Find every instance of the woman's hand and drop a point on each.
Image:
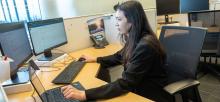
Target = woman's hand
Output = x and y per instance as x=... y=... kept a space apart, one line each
x=70 y=92
x=88 y=58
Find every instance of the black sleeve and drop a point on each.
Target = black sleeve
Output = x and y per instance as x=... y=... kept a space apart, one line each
x=138 y=66
x=110 y=60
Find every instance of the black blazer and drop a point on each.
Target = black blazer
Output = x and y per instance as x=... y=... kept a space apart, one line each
x=144 y=75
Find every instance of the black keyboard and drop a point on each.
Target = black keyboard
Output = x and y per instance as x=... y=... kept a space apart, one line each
x=69 y=73
x=55 y=95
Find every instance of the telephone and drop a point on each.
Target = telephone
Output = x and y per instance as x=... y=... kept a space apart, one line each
x=99 y=41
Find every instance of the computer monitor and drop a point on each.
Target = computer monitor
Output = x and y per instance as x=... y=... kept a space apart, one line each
x=193 y=5
x=46 y=35
x=15 y=44
x=167 y=7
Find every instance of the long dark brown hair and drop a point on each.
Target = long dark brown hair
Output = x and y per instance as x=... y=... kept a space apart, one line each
x=140 y=28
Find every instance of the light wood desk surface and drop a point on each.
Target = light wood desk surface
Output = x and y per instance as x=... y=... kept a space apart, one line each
x=87 y=77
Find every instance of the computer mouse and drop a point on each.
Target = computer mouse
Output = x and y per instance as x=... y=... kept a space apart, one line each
x=81 y=59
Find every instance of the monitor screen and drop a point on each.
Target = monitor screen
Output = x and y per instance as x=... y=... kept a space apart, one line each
x=193 y=5
x=15 y=44
x=166 y=7
x=47 y=34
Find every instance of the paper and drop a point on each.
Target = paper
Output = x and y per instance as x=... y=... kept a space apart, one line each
x=4 y=69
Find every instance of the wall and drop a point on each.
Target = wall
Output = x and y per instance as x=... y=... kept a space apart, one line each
x=214 y=4
x=76 y=8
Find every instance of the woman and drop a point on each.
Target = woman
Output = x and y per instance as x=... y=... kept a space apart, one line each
x=142 y=57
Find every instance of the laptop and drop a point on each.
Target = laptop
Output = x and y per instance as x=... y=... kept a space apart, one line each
x=52 y=95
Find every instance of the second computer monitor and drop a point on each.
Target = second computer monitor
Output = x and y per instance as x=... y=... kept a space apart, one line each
x=46 y=35
x=14 y=43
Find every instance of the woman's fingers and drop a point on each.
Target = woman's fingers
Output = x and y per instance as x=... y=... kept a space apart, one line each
x=68 y=92
x=66 y=89
x=70 y=96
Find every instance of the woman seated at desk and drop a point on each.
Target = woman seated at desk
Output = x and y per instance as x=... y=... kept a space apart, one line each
x=142 y=56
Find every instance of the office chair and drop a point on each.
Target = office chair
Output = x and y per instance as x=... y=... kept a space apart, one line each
x=211 y=50
x=183 y=46
x=211 y=46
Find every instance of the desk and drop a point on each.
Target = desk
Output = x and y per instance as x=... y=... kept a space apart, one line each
x=87 y=77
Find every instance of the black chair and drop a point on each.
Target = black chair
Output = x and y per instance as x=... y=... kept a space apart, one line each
x=211 y=48
x=183 y=46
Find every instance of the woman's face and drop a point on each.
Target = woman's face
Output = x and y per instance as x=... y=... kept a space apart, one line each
x=122 y=24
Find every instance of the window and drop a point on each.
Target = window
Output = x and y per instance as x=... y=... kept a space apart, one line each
x=19 y=10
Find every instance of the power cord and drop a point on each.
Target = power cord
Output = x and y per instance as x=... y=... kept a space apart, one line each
x=63 y=62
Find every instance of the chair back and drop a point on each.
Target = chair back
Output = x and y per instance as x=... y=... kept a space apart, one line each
x=183 y=46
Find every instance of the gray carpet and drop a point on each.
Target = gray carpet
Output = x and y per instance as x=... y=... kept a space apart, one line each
x=209 y=88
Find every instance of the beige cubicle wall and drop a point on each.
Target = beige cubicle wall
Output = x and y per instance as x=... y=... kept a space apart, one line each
x=77 y=12
x=78 y=34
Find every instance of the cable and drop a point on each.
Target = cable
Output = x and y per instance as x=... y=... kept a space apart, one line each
x=33 y=96
x=63 y=62
x=66 y=53
x=54 y=65
x=69 y=56
x=54 y=69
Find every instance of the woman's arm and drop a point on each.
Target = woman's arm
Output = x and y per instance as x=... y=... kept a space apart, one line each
x=111 y=60
x=106 y=61
x=139 y=64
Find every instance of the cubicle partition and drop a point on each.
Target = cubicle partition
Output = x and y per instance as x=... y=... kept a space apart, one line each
x=78 y=33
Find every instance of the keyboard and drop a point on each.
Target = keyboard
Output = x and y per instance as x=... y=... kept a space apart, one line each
x=55 y=94
x=69 y=73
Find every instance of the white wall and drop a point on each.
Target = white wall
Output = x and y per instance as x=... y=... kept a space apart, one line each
x=214 y=4
x=76 y=8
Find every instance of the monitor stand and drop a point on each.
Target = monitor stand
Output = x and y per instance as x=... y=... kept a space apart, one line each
x=168 y=21
x=49 y=56
x=18 y=83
